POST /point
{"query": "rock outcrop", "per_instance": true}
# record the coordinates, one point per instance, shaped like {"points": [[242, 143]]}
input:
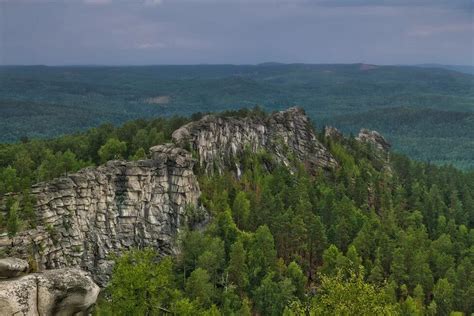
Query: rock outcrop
{"points": [[375, 139], [12, 267], [220, 141], [381, 154], [97, 212], [88, 216], [333, 133], [53, 292]]}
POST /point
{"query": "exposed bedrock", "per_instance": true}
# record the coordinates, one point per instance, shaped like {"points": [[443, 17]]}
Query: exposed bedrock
{"points": [[61, 292], [220, 141], [375, 139], [95, 213]]}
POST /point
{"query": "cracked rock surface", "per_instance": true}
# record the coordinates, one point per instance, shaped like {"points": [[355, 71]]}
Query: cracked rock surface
{"points": [[53, 292], [98, 212], [219, 141]]}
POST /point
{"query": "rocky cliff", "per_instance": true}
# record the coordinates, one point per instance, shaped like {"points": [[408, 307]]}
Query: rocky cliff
{"points": [[379, 143], [220, 141], [375, 139], [88, 216], [97, 212]]}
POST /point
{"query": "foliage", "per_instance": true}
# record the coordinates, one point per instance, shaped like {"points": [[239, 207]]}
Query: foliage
{"points": [[112, 149], [13, 220], [339, 295], [140, 285]]}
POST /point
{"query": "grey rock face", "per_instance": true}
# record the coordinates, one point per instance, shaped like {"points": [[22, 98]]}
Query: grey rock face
{"points": [[12, 267], [54, 292], [333, 133], [373, 138], [219, 141], [98, 212], [382, 152]]}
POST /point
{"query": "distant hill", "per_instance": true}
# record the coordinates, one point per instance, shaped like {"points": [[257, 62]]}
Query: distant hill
{"points": [[461, 68], [40, 101]]}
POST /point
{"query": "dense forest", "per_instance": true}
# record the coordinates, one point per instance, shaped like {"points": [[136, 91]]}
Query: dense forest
{"points": [[404, 103], [369, 238]]}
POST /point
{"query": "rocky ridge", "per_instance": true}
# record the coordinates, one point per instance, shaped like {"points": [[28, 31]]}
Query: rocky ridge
{"points": [[379, 143], [374, 138], [333, 133], [220, 141], [88, 216]]}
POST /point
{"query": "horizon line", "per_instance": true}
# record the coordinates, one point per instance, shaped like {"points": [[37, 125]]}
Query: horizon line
{"points": [[231, 64]]}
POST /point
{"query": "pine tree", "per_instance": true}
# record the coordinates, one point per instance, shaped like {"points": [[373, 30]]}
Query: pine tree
{"points": [[13, 221], [241, 210], [298, 279], [376, 273], [237, 268], [443, 293], [262, 255], [200, 288]]}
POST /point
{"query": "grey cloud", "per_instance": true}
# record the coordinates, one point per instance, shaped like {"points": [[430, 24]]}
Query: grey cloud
{"points": [[234, 31]]}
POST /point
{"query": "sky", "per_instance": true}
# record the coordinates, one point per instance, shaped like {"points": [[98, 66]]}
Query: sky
{"points": [[141, 32]]}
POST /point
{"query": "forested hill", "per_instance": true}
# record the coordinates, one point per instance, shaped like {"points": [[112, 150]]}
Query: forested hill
{"points": [[361, 231], [465, 69], [45, 102]]}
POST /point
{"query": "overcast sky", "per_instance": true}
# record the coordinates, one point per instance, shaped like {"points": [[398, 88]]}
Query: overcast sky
{"points": [[236, 31]]}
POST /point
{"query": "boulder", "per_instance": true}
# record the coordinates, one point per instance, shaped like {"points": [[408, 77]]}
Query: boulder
{"points": [[65, 292], [55, 292], [12, 267], [19, 296]]}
